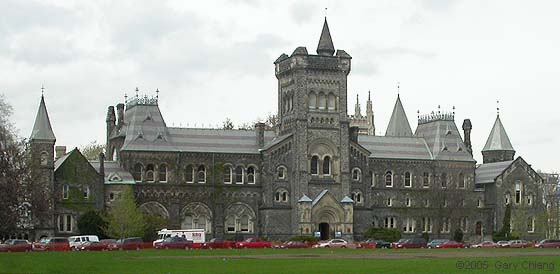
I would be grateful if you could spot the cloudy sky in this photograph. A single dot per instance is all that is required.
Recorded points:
(213, 60)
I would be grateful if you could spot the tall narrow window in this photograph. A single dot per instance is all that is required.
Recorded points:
(409, 225)
(230, 223)
(390, 222)
(244, 224)
(407, 179)
(65, 191)
(372, 176)
(529, 200)
(444, 180)
(389, 179)
(445, 225)
(137, 172)
(282, 173)
(189, 174)
(461, 180)
(44, 158)
(331, 102)
(201, 174)
(464, 224)
(86, 192)
(426, 179)
(322, 104)
(250, 175)
(239, 175)
(518, 193)
(531, 224)
(227, 175)
(427, 225)
(69, 223)
(356, 174)
(327, 165)
(314, 165)
(408, 202)
(163, 173)
(150, 173)
(312, 101)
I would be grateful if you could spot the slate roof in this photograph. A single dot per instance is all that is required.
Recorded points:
(498, 138)
(61, 160)
(304, 198)
(395, 147)
(276, 140)
(347, 199)
(325, 45)
(444, 140)
(319, 197)
(42, 129)
(398, 125)
(487, 173)
(114, 173)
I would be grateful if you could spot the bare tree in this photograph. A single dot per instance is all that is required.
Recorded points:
(92, 150)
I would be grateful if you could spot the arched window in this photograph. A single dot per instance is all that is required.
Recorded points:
(356, 197)
(281, 195)
(239, 175)
(518, 194)
(187, 222)
(277, 196)
(230, 223)
(245, 224)
(282, 172)
(163, 173)
(250, 175)
(426, 179)
(327, 165)
(315, 165)
(150, 173)
(189, 174)
(200, 223)
(322, 102)
(115, 155)
(201, 174)
(65, 191)
(227, 175)
(331, 102)
(285, 196)
(389, 179)
(444, 180)
(356, 174)
(390, 222)
(461, 180)
(312, 101)
(507, 199)
(44, 158)
(407, 179)
(137, 172)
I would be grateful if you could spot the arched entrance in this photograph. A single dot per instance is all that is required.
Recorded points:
(325, 231)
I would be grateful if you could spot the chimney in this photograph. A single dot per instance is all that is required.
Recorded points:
(120, 115)
(467, 126)
(59, 152)
(102, 165)
(259, 130)
(354, 131)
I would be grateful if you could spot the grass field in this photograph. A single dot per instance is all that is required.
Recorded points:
(321, 261)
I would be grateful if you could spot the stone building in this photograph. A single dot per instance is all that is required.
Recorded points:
(319, 172)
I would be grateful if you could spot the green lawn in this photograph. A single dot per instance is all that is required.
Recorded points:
(286, 261)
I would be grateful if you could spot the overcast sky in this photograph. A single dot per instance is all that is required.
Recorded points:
(213, 60)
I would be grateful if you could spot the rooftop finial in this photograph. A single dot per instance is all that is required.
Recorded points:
(125, 98)
(157, 93)
(357, 98)
(498, 107)
(438, 109)
(326, 12)
(136, 92)
(42, 90)
(369, 95)
(399, 89)
(453, 110)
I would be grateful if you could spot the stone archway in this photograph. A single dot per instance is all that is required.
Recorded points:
(154, 208)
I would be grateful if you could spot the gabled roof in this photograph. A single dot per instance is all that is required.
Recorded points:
(304, 199)
(498, 139)
(398, 125)
(319, 197)
(326, 46)
(487, 173)
(114, 173)
(61, 160)
(347, 199)
(42, 129)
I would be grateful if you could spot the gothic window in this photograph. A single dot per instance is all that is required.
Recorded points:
(322, 102)
(65, 223)
(227, 175)
(284, 196)
(427, 225)
(65, 191)
(201, 174)
(357, 197)
(409, 225)
(331, 102)
(251, 175)
(281, 195)
(86, 192)
(312, 101)
(531, 224)
(163, 173)
(445, 225)
(461, 180)
(245, 224)
(115, 155)
(389, 179)
(282, 172)
(390, 222)
(518, 193)
(137, 172)
(372, 176)
(426, 179)
(356, 174)
(314, 165)
(44, 158)
(150, 173)
(444, 180)
(187, 222)
(327, 165)
(407, 179)
(464, 224)
(189, 174)
(277, 196)
(230, 223)
(239, 175)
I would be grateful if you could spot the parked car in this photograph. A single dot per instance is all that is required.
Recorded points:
(485, 244)
(52, 244)
(503, 243)
(134, 243)
(451, 244)
(77, 241)
(218, 243)
(334, 243)
(15, 246)
(292, 244)
(97, 246)
(373, 244)
(253, 243)
(548, 244)
(175, 243)
(518, 244)
(436, 242)
(412, 243)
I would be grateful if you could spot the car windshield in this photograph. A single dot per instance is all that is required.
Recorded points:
(45, 240)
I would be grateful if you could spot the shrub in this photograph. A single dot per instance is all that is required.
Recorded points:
(458, 235)
(389, 235)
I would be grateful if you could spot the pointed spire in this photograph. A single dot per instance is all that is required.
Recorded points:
(42, 130)
(357, 108)
(398, 125)
(325, 46)
(498, 139)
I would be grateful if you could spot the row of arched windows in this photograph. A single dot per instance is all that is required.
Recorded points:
(388, 180)
(239, 175)
(322, 101)
(324, 163)
(426, 224)
(194, 174)
(149, 173)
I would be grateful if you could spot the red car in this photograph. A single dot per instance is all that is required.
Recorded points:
(16, 246)
(253, 243)
(548, 244)
(411, 243)
(293, 244)
(97, 246)
(218, 243)
(52, 244)
(518, 244)
(127, 244)
(175, 243)
(486, 244)
(451, 244)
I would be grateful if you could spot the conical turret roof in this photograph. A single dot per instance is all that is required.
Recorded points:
(398, 125)
(42, 129)
(325, 46)
(498, 139)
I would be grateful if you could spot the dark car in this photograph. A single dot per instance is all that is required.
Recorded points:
(134, 243)
(16, 246)
(373, 244)
(218, 243)
(52, 244)
(175, 243)
(293, 244)
(548, 244)
(411, 243)
(97, 246)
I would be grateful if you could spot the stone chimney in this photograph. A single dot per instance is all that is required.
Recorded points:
(102, 165)
(59, 152)
(259, 130)
(120, 115)
(354, 131)
(467, 127)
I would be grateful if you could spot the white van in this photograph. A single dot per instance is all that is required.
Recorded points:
(77, 241)
(195, 235)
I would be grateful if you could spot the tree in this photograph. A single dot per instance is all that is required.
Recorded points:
(154, 223)
(506, 224)
(125, 219)
(389, 235)
(92, 150)
(458, 235)
(92, 223)
(227, 124)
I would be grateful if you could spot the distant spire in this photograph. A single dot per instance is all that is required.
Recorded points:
(42, 129)
(325, 46)
(498, 138)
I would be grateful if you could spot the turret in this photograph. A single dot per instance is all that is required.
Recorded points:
(467, 126)
(498, 147)
(325, 46)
